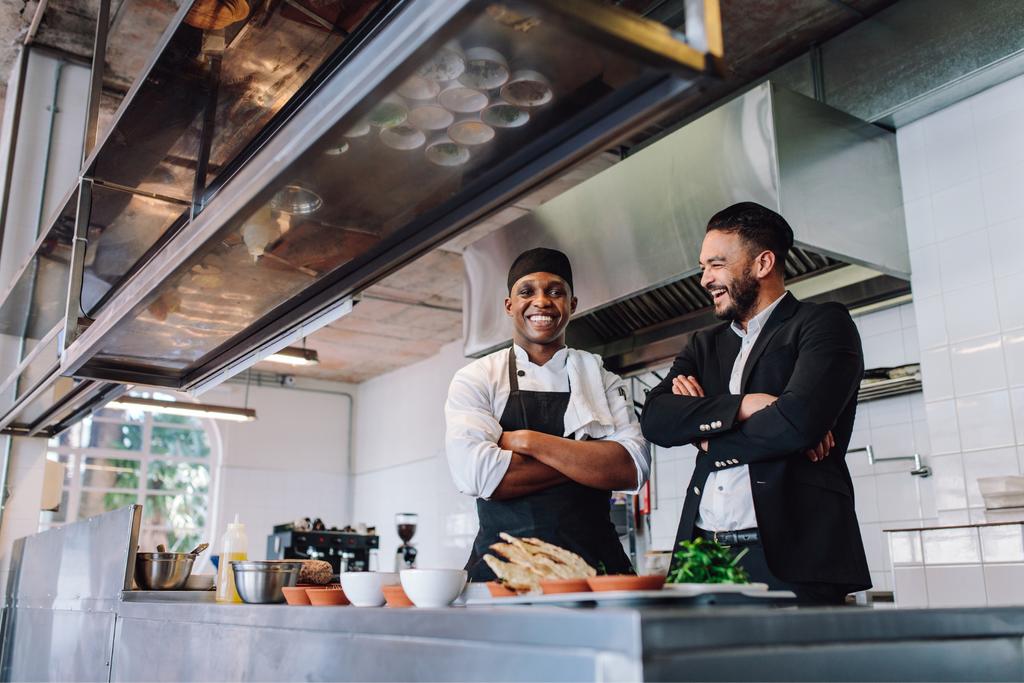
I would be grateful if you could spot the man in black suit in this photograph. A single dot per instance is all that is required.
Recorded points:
(769, 399)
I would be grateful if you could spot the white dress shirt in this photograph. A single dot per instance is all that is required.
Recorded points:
(728, 504)
(477, 398)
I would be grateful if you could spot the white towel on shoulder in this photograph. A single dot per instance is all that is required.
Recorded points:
(588, 415)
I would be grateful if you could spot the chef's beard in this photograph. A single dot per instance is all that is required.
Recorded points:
(743, 295)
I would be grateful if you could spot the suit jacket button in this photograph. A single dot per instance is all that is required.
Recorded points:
(696, 490)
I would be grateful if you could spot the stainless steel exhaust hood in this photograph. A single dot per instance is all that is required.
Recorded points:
(637, 227)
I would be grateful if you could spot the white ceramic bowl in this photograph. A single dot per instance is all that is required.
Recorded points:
(363, 589)
(433, 587)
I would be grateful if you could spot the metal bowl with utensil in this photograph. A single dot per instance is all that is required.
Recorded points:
(260, 581)
(163, 571)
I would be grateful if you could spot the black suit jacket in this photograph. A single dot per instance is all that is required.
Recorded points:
(809, 355)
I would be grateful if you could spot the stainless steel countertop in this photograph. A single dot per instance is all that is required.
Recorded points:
(629, 631)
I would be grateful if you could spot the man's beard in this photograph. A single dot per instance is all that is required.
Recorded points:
(743, 295)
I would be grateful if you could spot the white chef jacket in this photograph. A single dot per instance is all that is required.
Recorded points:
(727, 503)
(477, 398)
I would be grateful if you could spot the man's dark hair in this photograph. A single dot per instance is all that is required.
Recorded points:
(758, 226)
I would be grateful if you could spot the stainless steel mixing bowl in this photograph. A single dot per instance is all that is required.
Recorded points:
(163, 571)
(261, 581)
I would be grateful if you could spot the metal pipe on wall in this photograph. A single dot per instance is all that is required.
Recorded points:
(37, 18)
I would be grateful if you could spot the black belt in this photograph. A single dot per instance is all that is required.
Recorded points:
(738, 537)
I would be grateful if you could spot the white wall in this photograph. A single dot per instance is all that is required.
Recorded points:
(291, 462)
(963, 181)
(401, 465)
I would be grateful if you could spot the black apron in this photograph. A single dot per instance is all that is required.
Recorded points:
(569, 515)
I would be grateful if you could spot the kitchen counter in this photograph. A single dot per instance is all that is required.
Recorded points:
(269, 642)
(69, 615)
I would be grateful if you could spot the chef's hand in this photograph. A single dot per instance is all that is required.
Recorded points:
(515, 441)
(820, 452)
(684, 385)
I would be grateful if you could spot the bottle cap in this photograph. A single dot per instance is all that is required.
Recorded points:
(235, 524)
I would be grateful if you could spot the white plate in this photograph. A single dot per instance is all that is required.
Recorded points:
(627, 598)
(699, 588)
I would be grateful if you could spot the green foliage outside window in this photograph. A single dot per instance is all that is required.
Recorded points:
(174, 493)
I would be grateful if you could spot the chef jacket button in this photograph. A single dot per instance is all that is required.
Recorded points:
(696, 490)
(703, 428)
(521, 373)
(717, 424)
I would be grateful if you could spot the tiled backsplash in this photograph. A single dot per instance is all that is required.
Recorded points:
(960, 566)
(962, 171)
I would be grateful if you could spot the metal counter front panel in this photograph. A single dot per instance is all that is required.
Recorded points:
(63, 597)
(59, 645)
(80, 566)
(239, 653)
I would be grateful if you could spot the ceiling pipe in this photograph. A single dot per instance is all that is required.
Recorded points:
(37, 18)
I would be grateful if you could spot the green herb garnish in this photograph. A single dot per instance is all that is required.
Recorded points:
(701, 561)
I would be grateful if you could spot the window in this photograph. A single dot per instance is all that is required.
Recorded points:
(118, 457)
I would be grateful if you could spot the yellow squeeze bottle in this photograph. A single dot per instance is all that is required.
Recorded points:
(234, 547)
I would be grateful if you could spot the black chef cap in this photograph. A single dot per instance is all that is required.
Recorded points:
(540, 260)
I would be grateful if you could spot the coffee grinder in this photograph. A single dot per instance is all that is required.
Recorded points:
(405, 556)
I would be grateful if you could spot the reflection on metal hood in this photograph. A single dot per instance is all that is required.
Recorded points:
(634, 231)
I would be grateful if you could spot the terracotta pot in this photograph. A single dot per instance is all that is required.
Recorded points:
(498, 590)
(626, 582)
(394, 596)
(325, 597)
(295, 595)
(549, 586)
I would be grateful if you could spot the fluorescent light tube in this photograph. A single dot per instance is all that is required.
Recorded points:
(293, 355)
(212, 412)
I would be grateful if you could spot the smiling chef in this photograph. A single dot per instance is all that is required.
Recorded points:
(540, 434)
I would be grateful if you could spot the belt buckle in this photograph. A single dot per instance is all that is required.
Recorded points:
(715, 533)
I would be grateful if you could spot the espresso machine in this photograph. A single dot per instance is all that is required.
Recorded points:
(346, 550)
(405, 556)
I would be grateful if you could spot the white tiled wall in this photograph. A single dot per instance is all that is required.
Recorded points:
(671, 472)
(959, 567)
(963, 173)
(886, 494)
